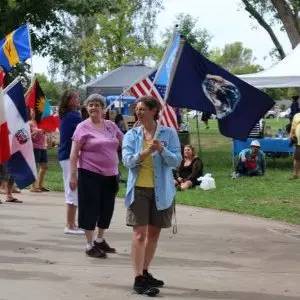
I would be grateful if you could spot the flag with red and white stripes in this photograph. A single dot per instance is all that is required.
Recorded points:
(146, 87)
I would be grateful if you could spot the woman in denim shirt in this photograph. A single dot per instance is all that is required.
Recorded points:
(150, 152)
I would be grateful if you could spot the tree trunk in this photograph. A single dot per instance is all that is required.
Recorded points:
(255, 14)
(289, 20)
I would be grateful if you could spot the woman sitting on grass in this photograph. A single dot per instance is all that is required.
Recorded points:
(189, 170)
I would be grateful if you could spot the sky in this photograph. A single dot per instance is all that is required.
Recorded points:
(225, 20)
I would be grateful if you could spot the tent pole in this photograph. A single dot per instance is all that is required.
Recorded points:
(233, 161)
(198, 132)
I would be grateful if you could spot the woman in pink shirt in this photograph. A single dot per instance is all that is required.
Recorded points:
(94, 155)
(38, 137)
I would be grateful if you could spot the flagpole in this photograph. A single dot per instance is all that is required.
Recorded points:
(174, 66)
(12, 84)
(166, 54)
(31, 56)
(198, 131)
(233, 161)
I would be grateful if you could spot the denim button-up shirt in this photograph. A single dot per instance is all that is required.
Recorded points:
(163, 163)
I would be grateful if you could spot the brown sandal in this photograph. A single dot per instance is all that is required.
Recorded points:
(14, 200)
(35, 190)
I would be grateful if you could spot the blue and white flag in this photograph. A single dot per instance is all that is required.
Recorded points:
(21, 165)
(163, 73)
(199, 84)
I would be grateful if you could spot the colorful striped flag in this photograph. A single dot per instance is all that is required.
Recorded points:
(21, 163)
(146, 87)
(36, 100)
(15, 47)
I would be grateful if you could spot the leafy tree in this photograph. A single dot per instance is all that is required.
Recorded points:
(104, 41)
(129, 33)
(45, 18)
(117, 35)
(187, 26)
(52, 90)
(270, 12)
(281, 93)
(235, 59)
(79, 50)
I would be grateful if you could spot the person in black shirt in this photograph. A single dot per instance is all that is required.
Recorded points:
(294, 107)
(189, 170)
(205, 117)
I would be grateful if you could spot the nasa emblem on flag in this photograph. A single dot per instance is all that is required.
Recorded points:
(22, 136)
(223, 94)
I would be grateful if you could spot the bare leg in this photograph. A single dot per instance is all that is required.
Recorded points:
(71, 214)
(138, 249)
(296, 168)
(186, 185)
(34, 187)
(100, 233)
(89, 235)
(8, 189)
(2, 187)
(150, 245)
(42, 173)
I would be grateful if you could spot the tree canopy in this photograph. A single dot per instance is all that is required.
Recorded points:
(45, 18)
(268, 13)
(188, 27)
(235, 59)
(108, 39)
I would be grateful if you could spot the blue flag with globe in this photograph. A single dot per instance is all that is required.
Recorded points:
(197, 83)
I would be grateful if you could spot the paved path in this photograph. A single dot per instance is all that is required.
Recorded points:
(215, 255)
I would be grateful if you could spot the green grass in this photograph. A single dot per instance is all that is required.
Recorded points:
(271, 196)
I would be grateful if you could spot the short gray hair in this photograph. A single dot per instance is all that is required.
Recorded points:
(95, 97)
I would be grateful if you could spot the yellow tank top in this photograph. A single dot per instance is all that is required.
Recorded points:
(145, 177)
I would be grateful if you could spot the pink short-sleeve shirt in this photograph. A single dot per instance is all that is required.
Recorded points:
(98, 147)
(39, 141)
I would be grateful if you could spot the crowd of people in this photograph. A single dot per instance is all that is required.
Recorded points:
(89, 152)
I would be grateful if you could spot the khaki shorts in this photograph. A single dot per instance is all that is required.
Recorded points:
(143, 210)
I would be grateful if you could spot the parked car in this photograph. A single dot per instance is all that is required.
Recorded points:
(284, 114)
(193, 113)
(271, 114)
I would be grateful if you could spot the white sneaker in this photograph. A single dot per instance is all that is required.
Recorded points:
(74, 231)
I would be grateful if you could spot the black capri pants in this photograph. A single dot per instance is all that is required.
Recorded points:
(96, 199)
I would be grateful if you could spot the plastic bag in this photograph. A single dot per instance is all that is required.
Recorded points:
(207, 182)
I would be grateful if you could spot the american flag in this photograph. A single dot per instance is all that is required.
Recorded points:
(146, 87)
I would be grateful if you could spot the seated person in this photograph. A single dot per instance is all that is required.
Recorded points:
(280, 133)
(189, 170)
(251, 161)
(268, 131)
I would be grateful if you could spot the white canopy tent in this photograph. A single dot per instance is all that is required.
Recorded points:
(286, 73)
